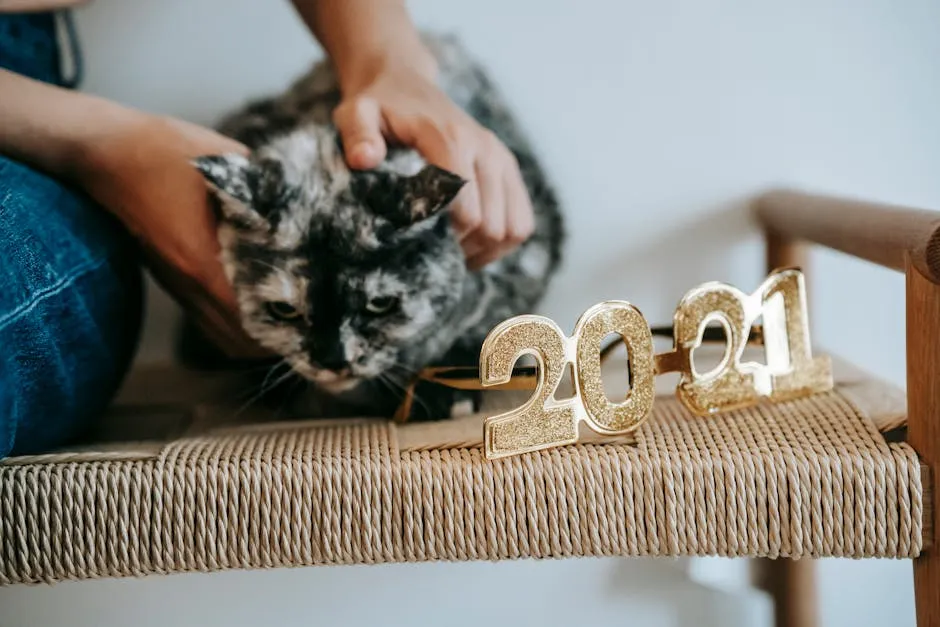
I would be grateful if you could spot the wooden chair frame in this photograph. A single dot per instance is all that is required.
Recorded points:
(902, 239)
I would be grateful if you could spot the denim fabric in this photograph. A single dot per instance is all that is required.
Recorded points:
(70, 288)
(28, 45)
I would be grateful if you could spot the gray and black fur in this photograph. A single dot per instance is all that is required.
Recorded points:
(356, 278)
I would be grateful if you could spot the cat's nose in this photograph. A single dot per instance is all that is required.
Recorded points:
(334, 360)
(338, 365)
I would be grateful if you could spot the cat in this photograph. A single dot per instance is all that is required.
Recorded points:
(356, 278)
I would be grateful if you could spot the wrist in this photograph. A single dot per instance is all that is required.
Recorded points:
(366, 38)
(90, 147)
(363, 67)
(51, 128)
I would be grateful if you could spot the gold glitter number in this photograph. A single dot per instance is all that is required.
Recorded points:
(542, 422)
(731, 384)
(793, 370)
(598, 322)
(790, 372)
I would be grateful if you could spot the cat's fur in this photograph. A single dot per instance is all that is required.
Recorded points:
(298, 227)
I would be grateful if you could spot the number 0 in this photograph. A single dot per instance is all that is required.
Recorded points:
(543, 422)
(625, 320)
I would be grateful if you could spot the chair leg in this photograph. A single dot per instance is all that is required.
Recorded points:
(923, 429)
(791, 585)
(927, 589)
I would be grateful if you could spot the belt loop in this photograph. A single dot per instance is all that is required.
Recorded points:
(65, 19)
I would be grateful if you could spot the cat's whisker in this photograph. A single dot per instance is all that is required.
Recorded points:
(288, 393)
(391, 385)
(271, 371)
(264, 388)
(386, 384)
(308, 232)
(253, 369)
(284, 377)
(252, 389)
(264, 263)
(397, 386)
(405, 371)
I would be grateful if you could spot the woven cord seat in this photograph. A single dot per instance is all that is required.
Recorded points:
(177, 480)
(813, 477)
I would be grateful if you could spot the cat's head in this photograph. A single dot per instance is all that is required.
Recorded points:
(346, 274)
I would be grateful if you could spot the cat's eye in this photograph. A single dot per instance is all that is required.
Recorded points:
(280, 310)
(382, 304)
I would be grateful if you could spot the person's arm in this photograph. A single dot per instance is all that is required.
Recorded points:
(49, 127)
(137, 167)
(29, 6)
(387, 80)
(360, 36)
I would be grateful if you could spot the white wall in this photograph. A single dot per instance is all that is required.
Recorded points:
(657, 120)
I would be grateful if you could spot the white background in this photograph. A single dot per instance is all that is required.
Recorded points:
(657, 121)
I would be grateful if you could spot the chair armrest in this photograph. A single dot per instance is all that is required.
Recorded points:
(880, 233)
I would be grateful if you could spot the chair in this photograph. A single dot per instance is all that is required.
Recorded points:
(177, 481)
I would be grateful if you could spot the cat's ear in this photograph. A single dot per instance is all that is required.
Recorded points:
(407, 200)
(430, 190)
(229, 178)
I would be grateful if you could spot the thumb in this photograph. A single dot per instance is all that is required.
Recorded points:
(359, 123)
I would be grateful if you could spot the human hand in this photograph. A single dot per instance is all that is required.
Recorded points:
(400, 102)
(141, 172)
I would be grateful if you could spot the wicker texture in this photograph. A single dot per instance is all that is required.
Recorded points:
(807, 478)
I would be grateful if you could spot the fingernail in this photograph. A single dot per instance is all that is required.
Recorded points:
(363, 154)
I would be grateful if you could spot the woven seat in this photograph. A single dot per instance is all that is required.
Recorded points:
(177, 478)
(176, 484)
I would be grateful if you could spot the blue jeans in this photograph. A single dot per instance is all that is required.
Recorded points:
(71, 296)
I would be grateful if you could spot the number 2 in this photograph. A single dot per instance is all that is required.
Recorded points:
(543, 422)
(731, 384)
(790, 372)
